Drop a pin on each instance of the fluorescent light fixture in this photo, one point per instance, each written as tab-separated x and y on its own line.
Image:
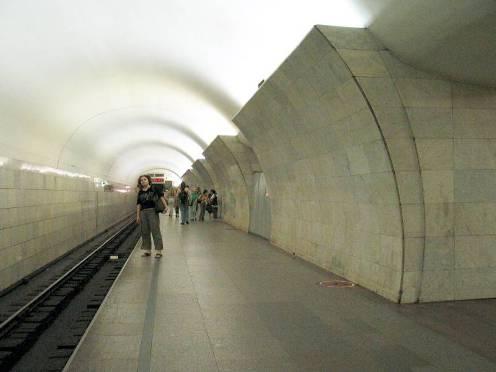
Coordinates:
49	170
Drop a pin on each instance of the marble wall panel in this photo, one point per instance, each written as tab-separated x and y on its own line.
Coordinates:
232	185
403	159
206	180
43	216
326	165
191	179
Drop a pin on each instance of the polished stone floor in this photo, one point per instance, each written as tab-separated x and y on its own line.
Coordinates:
224	300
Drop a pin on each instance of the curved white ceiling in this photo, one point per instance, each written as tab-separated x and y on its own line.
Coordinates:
113	88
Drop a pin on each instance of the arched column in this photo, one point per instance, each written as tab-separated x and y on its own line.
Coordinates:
377	170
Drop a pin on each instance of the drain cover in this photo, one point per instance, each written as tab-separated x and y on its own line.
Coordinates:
335	284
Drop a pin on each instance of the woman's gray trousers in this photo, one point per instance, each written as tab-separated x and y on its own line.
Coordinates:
150	224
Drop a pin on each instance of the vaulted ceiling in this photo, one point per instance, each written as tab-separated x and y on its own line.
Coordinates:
113	88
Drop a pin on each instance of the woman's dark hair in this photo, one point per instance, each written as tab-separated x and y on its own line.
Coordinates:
205	191
147	177
182	186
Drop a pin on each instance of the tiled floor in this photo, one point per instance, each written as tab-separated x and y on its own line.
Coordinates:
223	300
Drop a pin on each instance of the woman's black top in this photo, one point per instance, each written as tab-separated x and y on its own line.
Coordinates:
147	198
214	199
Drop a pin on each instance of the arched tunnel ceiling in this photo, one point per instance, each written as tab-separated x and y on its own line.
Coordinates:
114	88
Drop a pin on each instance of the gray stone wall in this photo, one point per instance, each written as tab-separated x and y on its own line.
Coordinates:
232	165
43	216
204	176
246	161
332	189
231	184
191	179
213	175
438	134
195	176
378	172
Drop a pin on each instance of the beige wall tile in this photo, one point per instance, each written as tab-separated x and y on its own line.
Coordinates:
472	252
7	178
438	286
475	218
439	219
431	122
475	283
473	97
42	226
410	187
435	154
475	185
366	63
439	254
438	186
378	157
403	154
411	282
414	254
319	134
413	220
424	92
380	92
4	197
474	123
357	160
475	154
393	122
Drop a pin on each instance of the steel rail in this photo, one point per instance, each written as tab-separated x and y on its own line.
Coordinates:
31	304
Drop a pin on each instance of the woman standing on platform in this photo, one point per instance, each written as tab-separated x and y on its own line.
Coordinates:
147	217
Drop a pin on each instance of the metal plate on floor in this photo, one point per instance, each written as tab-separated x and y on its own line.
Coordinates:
335	284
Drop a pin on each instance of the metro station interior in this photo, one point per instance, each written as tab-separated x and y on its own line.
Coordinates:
351	143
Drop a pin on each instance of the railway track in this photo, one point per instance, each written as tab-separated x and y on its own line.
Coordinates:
42	333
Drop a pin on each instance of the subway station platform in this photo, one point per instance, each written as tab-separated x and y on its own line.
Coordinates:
224	300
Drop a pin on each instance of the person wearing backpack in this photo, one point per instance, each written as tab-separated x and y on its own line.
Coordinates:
184	199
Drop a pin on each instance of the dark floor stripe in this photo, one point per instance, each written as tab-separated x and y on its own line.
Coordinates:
145	353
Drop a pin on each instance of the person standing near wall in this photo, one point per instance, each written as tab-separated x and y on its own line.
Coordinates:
176	202
192	204
170	199
203	205
198	203
213	202
183	198
147	217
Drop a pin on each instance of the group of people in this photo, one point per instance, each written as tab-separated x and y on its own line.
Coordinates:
190	205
